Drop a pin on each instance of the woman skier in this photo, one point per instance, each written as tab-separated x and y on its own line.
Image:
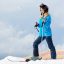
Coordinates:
45	33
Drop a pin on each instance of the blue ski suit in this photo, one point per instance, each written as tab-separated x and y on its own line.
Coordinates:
45	30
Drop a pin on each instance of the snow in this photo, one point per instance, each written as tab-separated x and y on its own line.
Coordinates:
17	60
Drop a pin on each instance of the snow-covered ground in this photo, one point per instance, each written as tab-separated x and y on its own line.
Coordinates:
17	60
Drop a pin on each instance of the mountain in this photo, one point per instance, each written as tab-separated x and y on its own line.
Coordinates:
45	55
17	60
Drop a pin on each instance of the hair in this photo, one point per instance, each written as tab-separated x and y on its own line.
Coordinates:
44	7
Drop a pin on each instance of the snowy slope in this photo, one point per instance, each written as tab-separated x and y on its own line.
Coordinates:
17	60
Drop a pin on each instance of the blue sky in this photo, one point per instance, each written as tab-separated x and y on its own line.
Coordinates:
17	18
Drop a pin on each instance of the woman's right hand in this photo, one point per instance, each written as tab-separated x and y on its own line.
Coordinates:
36	24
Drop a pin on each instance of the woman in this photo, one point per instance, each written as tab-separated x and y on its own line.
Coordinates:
45	33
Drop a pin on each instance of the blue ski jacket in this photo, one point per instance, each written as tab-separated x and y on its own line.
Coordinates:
44	29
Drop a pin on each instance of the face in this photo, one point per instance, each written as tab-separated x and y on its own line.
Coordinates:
41	10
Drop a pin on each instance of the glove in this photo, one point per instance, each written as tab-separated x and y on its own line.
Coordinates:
36	24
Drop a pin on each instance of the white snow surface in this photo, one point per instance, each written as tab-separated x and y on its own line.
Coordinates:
19	60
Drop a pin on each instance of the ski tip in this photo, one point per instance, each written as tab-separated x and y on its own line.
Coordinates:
27	60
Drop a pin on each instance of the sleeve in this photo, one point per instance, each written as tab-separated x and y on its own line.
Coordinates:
39	23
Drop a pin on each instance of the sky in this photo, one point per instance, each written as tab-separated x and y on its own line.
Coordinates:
17	32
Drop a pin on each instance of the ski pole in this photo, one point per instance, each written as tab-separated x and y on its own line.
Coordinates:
36	28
